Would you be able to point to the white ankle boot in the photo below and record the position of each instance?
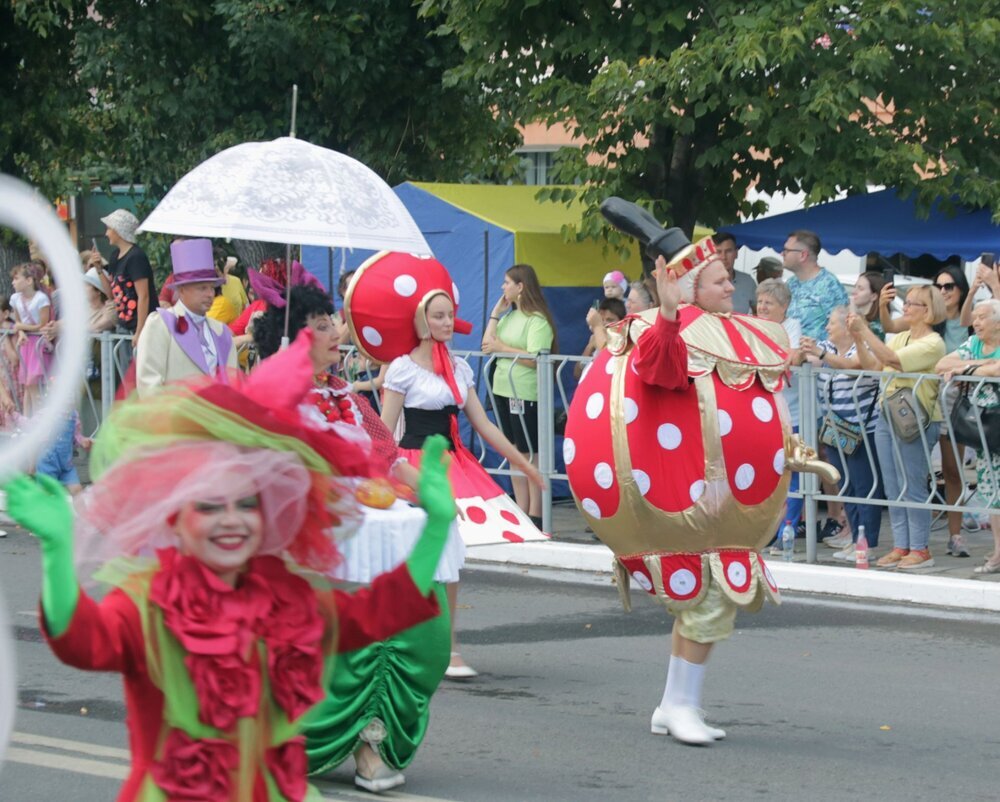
(371, 772)
(684, 723)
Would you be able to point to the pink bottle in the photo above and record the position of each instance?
(861, 549)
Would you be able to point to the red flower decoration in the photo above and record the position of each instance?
(205, 614)
(294, 616)
(195, 770)
(228, 688)
(288, 766)
(182, 324)
(295, 678)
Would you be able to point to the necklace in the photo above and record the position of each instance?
(331, 405)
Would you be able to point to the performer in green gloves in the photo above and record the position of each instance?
(210, 516)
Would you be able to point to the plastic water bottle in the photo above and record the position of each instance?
(788, 542)
(861, 549)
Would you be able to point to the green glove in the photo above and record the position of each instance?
(439, 503)
(42, 507)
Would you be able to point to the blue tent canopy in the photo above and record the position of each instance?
(882, 222)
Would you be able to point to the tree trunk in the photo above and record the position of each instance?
(252, 253)
(10, 255)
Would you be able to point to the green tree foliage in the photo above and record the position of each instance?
(686, 105)
(142, 92)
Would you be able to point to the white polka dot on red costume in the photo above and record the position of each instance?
(569, 450)
(668, 436)
(762, 410)
(641, 481)
(697, 490)
(779, 461)
(371, 335)
(404, 285)
(609, 366)
(642, 581)
(725, 422)
(595, 405)
(603, 475)
(631, 410)
(682, 582)
(736, 573)
(454, 292)
(590, 507)
(744, 476)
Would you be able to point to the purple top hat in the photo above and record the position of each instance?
(193, 262)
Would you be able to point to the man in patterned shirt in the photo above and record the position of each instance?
(815, 290)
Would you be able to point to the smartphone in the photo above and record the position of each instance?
(93, 244)
(596, 304)
(988, 259)
(890, 275)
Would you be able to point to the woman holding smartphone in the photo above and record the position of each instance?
(520, 323)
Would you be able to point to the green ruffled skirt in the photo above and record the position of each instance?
(392, 680)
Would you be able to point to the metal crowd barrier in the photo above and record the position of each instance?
(113, 353)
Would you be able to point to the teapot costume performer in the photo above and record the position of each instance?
(378, 695)
(211, 517)
(677, 449)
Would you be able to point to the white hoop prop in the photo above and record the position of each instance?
(22, 209)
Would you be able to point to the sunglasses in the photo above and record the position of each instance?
(948, 287)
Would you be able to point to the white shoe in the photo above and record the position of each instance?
(682, 722)
(847, 555)
(460, 671)
(838, 542)
(371, 772)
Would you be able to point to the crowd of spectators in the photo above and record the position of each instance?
(859, 433)
(832, 330)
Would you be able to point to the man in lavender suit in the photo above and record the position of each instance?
(180, 342)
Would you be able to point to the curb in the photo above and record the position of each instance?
(935, 591)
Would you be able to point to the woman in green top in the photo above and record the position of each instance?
(954, 289)
(520, 323)
(906, 465)
(980, 356)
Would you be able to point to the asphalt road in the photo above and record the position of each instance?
(822, 701)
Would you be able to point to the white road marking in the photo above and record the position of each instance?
(95, 750)
(119, 771)
(77, 765)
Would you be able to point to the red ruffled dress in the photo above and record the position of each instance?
(218, 679)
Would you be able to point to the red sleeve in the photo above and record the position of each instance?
(390, 605)
(384, 449)
(101, 637)
(239, 326)
(661, 355)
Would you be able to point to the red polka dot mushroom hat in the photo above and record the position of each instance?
(386, 303)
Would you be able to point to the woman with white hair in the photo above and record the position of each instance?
(980, 356)
(773, 300)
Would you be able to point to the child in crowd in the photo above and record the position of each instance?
(616, 285)
(10, 389)
(608, 312)
(57, 462)
(32, 312)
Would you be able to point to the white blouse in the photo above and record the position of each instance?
(424, 389)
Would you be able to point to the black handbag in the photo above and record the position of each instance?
(966, 417)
